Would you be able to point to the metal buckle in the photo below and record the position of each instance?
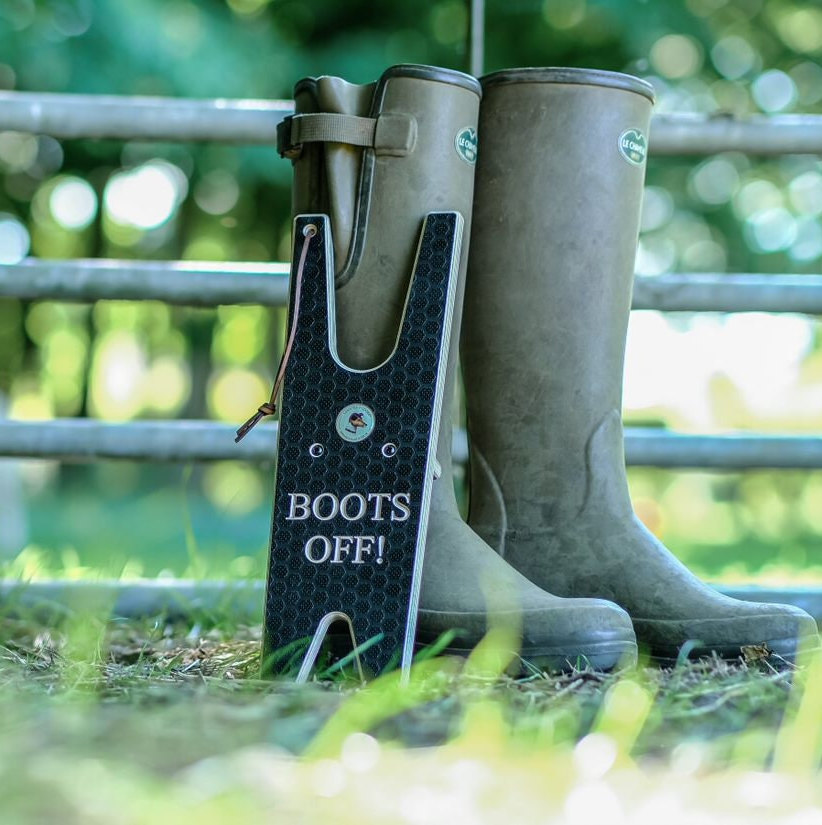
(285, 148)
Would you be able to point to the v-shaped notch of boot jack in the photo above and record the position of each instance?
(270, 407)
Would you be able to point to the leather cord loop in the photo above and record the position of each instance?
(270, 407)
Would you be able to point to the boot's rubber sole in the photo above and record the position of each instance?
(775, 651)
(604, 655)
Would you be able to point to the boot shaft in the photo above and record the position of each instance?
(556, 216)
(378, 196)
(559, 186)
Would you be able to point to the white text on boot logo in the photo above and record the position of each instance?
(466, 144)
(633, 146)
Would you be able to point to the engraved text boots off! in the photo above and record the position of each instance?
(377, 182)
(556, 212)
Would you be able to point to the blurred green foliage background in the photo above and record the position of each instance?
(121, 361)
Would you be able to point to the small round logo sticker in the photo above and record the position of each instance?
(634, 146)
(355, 422)
(466, 144)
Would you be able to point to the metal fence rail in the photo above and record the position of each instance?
(647, 447)
(143, 118)
(255, 122)
(83, 439)
(212, 284)
(755, 135)
(89, 440)
(704, 292)
(175, 282)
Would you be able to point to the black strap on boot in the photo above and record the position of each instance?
(356, 459)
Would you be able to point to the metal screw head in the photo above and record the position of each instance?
(389, 450)
(316, 450)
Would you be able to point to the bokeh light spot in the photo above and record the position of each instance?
(770, 230)
(705, 255)
(594, 755)
(655, 256)
(145, 197)
(808, 243)
(64, 352)
(657, 208)
(360, 752)
(563, 14)
(805, 193)
(234, 393)
(168, 385)
(14, 239)
(734, 57)
(73, 203)
(774, 91)
(117, 372)
(801, 28)
(29, 402)
(808, 79)
(715, 181)
(676, 56)
(756, 195)
(240, 334)
(217, 192)
(18, 151)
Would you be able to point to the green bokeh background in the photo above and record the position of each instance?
(231, 203)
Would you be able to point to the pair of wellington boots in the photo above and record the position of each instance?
(552, 544)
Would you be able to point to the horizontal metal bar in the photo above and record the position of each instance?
(242, 600)
(211, 284)
(175, 598)
(80, 439)
(83, 439)
(682, 134)
(175, 282)
(662, 448)
(717, 292)
(88, 439)
(142, 118)
(255, 121)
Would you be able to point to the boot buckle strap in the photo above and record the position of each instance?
(285, 147)
(387, 134)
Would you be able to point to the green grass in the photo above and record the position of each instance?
(143, 722)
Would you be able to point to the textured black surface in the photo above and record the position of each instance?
(401, 394)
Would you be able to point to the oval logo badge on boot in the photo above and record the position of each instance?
(466, 144)
(633, 146)
(355, 422)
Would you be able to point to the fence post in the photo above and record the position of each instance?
(476, 36)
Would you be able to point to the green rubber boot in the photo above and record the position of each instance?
(556, 215)
(420, 159)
